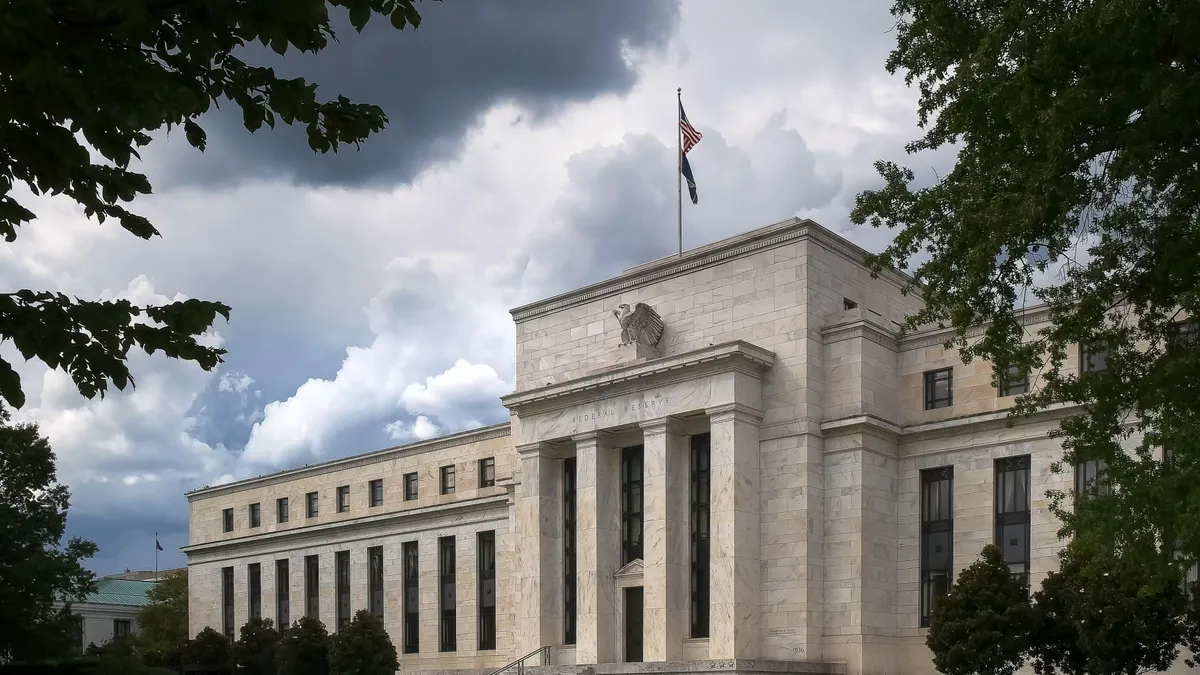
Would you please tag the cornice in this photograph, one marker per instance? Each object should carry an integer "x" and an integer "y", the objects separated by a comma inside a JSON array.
[
  {"x": 426, "y": 516},
  {"x": 931, "y": 337},
  {"x": 869, "y": 424},
  {"x": 737, "y": 412},
  {"x": 985, "y": 421},
  {"x": 737, "y": 355},
  {"x": 771, "y": 236},
  {"x": 856, "y": 324},
  {"x": 356, "y": 461}
]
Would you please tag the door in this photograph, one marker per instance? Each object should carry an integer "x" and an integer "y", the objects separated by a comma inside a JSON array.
[{"x": 633, "y": 624}]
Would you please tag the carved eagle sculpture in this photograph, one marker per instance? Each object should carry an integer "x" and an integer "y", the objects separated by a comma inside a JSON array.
[{"x": 640, "y": 324}]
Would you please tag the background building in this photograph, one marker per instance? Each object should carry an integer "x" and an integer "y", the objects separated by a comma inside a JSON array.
[
  {"x": 112, "y": 609},
  {"x": 727, "y": 456}
]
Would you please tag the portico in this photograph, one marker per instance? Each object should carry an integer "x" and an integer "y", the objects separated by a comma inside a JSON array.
[{"x": 643, "y": 480}]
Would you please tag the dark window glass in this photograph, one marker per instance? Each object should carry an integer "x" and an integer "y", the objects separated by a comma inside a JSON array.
[
  {"x": 938, "y": 389},
  {"x": 281, "y": 510},
  {"x": 121, "y": 628},
  {"x": 255, "y": 515},
  {"x": 410, "y": 486},
  {"x": 447, "y": 600},
  {"x": 937, "y": 536},
  {"x": 77, "y": 635},
  {"x": 486, "y": 553},
  {"x": 412, "y": 601},
  {"x": 1012, "y": 513},
  {"x": 343, "y": 499},
  {"x": 310, "y": 504},
  {"x": 847, "y": 303},
  {"x": 1184, "y": 334},
  {"x": 1016, "y": 382},
  {"x": 375, "y": 580},
  {"x": 570, "y": 592},
  {"x": 227, "y": 626},
  {"x": 631, "y": 504},
  {"x": 342, "y": 563},
  {"x": 1089, "y": 478},
  {"x": 312, "y": 587},
  {"x": 487, "y": 472},
  {"x": 227, "y": 519},
  {"x": 1093, "y": 359},
  {"x": 283, "y": 593},
  {"x": 254, "y": 575},
  {"x": 700, "y": 511},
  {"x": 376, "y": 492},
  {"x": 447, "y": 474}
]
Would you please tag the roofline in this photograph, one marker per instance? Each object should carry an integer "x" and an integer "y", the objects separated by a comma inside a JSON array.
[
  {"x": 438, "y": 443},
  {"x": 764, "y": 238}
]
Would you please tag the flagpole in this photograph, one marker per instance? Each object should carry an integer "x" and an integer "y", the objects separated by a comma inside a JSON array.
[
  {"x": 156, "y": 556},
  {"x": 679, "y": 162}
]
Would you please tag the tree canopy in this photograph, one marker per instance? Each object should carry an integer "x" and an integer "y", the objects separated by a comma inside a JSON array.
[
  {"x": 362, "y": 648},
  {"x": 39, "y": 576},
  {"x": 163, "y": 624},
  {"x": 84, "y": 85},
  {"x": 1077, "y": 185}
]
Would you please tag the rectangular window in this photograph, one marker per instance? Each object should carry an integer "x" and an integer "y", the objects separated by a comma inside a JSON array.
[
  {"x": 227, "y": 626},
  {"x": 410, "y": 486},
  {"x": 375, "y": 581},
  {"x": 1012, "y": 513},
  {"x": 121, "y": 628},
  {"x": 447, "y": 600},
  {"x": 283, "y": 593},
  {"x": 254, "y": 575},
  {"x": 1089, "y": 478},
  {"x": 1184, "y": 334},
  {"x": 375, "y": 489},
  {"x": 487, "y": 472},
  {"x": 412, "y": 602},
  {"x": 701, "y": 479},
  {"x": 312, "y": 587},
  {"x": 227, "y": 519},
  {"x": 1016, "y": 382},
  {"x": 343, "y": 499},
  {"x": 938, "y": 388},
  {"x": 937, "y": 536},
  {"x": 310, "y": 505},
  {"x": 570, "y": 593},
  {"x": 486, "y": 553},
  {"x": 255, "y": 515},
  {"x": 1092, "y": 359},
  {"x": 281, "y": 510},
  {"x": 447, "y": 479},
  {"x": 342, "y": 563},
  {"x": 631, "y": 504}
]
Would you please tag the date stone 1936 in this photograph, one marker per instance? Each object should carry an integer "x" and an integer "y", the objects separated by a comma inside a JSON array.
[{"x": 640, "y": 325}]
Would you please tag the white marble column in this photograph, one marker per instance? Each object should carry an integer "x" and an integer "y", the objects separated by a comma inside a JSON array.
[
  {"x": 597, "y": 467},
  {"x": 734, "y": 574},
  {"x": 539, "y": 516},
  {"x": 665, "y": 575}
]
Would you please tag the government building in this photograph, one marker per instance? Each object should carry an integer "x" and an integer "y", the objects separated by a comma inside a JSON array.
[{"x": 725, "y": 461}]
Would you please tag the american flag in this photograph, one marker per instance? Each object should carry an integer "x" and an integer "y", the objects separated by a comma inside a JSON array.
[{"x": 690, "y": 136}]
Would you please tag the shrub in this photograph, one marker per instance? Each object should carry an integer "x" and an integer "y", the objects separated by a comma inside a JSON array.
[
  {"x": 254, "y": 652},
  {"x": 363, "y": 648},
  {"x": 304, "y": 649},
  {"x": 210, "y": 650}
]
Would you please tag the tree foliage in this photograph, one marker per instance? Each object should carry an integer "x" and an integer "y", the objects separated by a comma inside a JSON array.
[
  {"x": 363, "y": 648},
  {"x": 1077, "y": 185},
  {"x": 209, "y": 649},
  {"x": 83, "y": 87},
  {"x": 254, "y": 651},
  {"x": 163, "y": 623},
  {"x": 304, "y": 649},
  {"x": 1092, "y": 616},
  {"x": 36, "y": 570}
]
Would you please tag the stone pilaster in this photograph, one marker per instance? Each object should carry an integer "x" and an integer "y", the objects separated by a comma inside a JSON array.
[
  {"x": 734, "y": 631},
  {"x": 539, "y": 515},
  {"x": 597, "y": 467},
  {"x": 665, "y": 575}
]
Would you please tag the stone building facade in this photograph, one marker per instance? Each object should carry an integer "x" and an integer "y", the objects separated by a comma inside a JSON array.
[{"x": 726, "y": 460}]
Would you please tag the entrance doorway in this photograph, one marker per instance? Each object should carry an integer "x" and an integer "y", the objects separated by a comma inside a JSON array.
[{"x": 633, "y": 624}]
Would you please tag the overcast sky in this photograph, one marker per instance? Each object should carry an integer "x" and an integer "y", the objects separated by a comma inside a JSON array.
[{"x": 529, "y": 152}]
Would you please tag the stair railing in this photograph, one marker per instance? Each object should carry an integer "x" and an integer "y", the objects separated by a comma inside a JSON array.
[{"x": 519, "y": 664}]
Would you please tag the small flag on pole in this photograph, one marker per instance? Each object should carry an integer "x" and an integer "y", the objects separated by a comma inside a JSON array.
[
  {"x": 157, "y": 546},
  {"x": 690, "y": 138}
]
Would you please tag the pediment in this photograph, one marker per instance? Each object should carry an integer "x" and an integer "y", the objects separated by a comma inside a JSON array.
[{"x": 631, "y": 573}]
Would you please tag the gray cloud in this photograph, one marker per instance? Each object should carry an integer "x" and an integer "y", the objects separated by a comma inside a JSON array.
[{"x": 435, "y": 82}]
